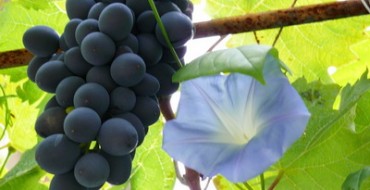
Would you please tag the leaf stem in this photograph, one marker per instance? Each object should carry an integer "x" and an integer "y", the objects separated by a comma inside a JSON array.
[
  {"x": 262, "y": 179},
  {"x": 7, "y": 112},
  {"x": 164, "y": 32},
  {"x": 249, "y": 187},
  {"x": 277, "y": 180},
  {"x": 10, "y": 152}
]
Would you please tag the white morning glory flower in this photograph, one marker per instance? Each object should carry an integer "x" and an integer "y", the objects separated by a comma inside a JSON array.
[{"x": 233, "y": 125}]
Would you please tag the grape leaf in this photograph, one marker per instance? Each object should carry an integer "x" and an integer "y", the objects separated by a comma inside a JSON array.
[
  {"x": 18, "y": 16},
  {"x": 308, "y": 50},
  {"x": 330, "y": 149},
  {"x": 153, "y": 167},
  {"x": 354, "y": 180},
  {"x": 25, "y": 174},
  {"x": 249, "y": 60}
]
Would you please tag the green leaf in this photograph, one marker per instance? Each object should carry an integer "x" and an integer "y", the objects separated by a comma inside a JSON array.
[
  {"x": 354, "y": 180},
  {"x": 25, "y": 174},
  {"x": 249, "y": 60},
  {"x": 22, "y": 116},
  {"x": 309, "y": 50},
  {"x": 18, "y": 16},
  {"x": 153, "y": 167},
  {"x": 329, "y": 149}
]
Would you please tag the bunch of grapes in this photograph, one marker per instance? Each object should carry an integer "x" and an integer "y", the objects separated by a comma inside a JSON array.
[{"x": 106, "y": 72}]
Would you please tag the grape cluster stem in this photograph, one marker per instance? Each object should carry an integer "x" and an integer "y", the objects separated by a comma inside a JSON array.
[{"x": 245, "y": 23}]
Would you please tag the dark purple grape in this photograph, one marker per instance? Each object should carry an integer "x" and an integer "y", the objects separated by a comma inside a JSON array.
[
  {"x": 98, "y": 48},
  {"x": 50, "y": 122},
  {"x": 117, "y": 29},
  {"x": 117, "y": 137},
  {"x": 57, "y": 154},
  {"x": 82, "y": 125},
  {"x": 128, "y": 69},
  {"x": 84, "y": 28},
  {"x": 50, "y": 74},
  {"x": 75, "y": 62},
  {"x": 92, "y": 95},
  {"x": 92, "y": 170},
  {"x": 78, "y": 9},
  {"x": 40, "y": 40},
  {"x": 178, "y": 27}
]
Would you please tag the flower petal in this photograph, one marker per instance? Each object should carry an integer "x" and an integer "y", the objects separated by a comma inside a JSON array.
[{"x": 235, "y": 126}]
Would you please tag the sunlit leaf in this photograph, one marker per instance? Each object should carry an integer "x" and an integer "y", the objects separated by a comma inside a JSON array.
[{"x": 153, "y": 167}]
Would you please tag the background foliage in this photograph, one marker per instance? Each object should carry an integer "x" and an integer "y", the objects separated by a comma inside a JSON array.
[{"x": 337, "y": 140}]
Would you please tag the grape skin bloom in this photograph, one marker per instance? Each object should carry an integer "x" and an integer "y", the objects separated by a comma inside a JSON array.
[{"x": 233, "y": 125}]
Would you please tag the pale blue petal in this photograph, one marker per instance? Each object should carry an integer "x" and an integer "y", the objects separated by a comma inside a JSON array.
[{"x": 217, "y": 113}]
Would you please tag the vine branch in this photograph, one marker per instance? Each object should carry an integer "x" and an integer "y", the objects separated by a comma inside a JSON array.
[
  {"x": 280, "y": 18},
  {"x": 244, "y": 23}
]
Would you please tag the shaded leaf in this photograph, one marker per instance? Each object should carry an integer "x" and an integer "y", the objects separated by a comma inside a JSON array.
[
  {"x": 25, "y": 174},
  {"x": 249, "y": 60},
  {"x": 354, "y": 180}
]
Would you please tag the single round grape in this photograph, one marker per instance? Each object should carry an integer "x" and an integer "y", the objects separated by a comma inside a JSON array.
[
  {"x": 101, "y": 75},
  {"x": 168, "y": 57},
  {"x": 70, "y": 32},
  {"x": 128, "y": 69},
  {"x": 50, "y": 122},
  {"x": 123, "y": 99},
  {"x": 164, "y": 7},
  {"x": 182, "y": 4},
  {"x": 41, "y": 40},
  {"x": 98, "y": 48},
  {"x": 34, "y": 66},
  {"x": 92, "y": 95},
  {"x": 148, "y": 86},
  {"x": 163, "y": 73},
  {"x": 75, "y": 62},
  {"x": 84, "y": 28},
  {"x": 65, "y": 181},
  {"x": 62, "y": 43},
  {"x": 50, "y": 74},
  {"x": 78, "y": 9},
  {"x": 117, "y": 29},
  {"x": 91, "y": 170},
  {"x": 149, "y": 48},
  {"x": 114, "y": 1},
  {"x": 147, "y": 110},
  {"x": 135, "y": 121},
  {"x": 120, "y": 168},
  {"x": 82, "y": 125},
  {"x": 130, "y": 41},
  {"x": 52, "y": 102},
  {"x": 117, "y": 137},
  {"x": 178, "y": 27},
  {"x": 146, "y": 22},
  {"x": 95, "y": 10},
  {"x": 57, "y": 154},
  {"x": 66, "y": 90},
  {"x": 138, "y": 6}
]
